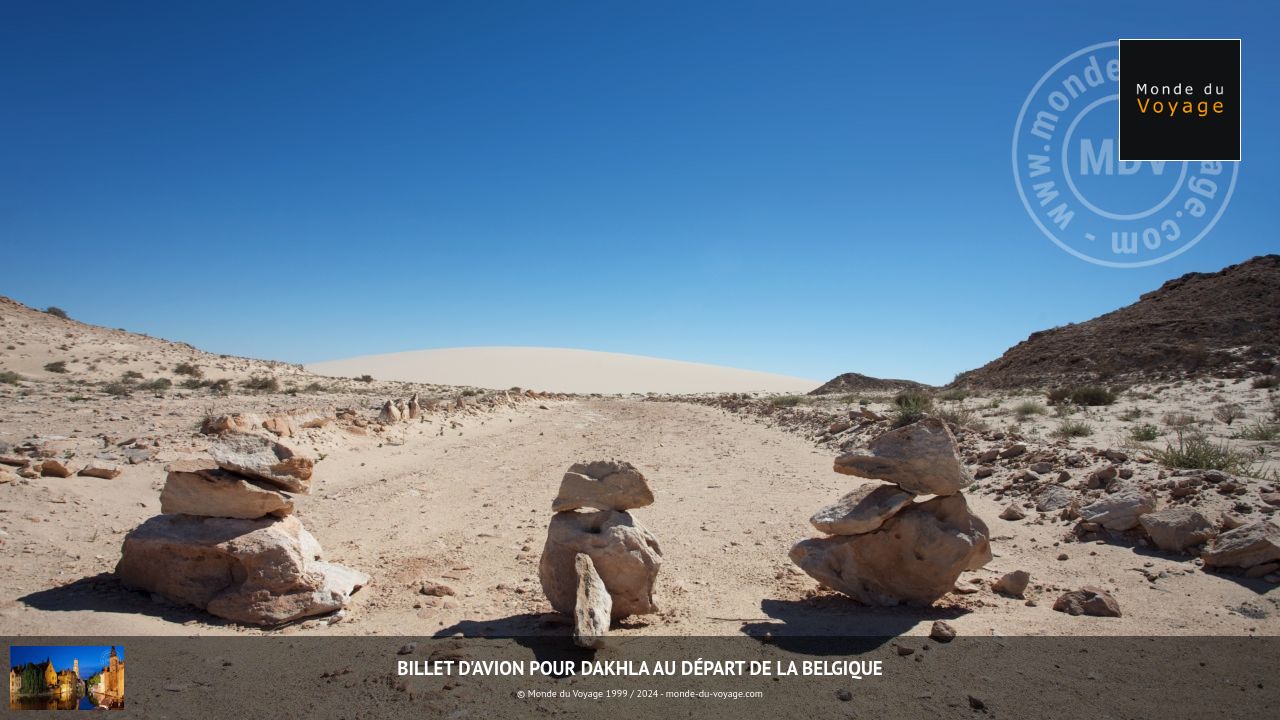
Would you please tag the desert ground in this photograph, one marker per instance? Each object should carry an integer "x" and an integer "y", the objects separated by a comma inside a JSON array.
[{"x": 461, "y": 497}]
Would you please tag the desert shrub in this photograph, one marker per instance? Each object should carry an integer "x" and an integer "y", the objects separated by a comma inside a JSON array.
[
  {"x": 9, "y": 377},
  {"x": 1195, "y": 451},
  {"x": 188, "y": 369},
  {"x": 954, "y": 394},
  {"x": 1179, "y": 420},
  {"x": 315, "y": 387},
  {"x": 1131, "y": 414},
  {"x": 911, "y": 406},
  {"x": 1260, "y": 430},
  {"x": 1058, "y": 396},
  {"x": 961, "y": 416},
  {"x": 116, "y": 388},
  {"x": 469, "y": 392},
  {"x": 1027, "y": 408},
  {"x": 1073, "y": 429},
  {"x": 261, "y": 383},
  {"x": 157, "y": 385},
  {"x": 1145, "y": 432},
  {"x": 994, "y": 404},
  {"x": 221, "y": 386},
  {"x": 131, "y": 375},
  {"x": 1092, "y": 395},
  {"x": 786, "y": 400},
  {"x": 365, "y": 378},
  {"x": 58, "y": 366},
  {"x": 1228, "y": 413},
  {"x": 1265, "y": 382},
  {"x": 57, "y": 312}
]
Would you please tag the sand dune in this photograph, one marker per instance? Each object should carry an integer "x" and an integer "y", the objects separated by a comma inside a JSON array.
[{"x": 559, "y": 370}]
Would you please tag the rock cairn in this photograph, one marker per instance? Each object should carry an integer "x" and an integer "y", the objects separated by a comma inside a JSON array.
[
  {"x": 399, "y": 410},
  {"x": 599, "y": 563},
  {"x": 885, "y": 546},
  {"x": 228, "y": 542}
]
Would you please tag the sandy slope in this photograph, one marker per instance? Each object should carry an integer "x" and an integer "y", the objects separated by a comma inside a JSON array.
[
  {"x": 559, "y": 370},
  {"x": 470, "y": 507}
]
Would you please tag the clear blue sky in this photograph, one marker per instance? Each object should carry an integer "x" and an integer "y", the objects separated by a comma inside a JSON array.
[
  {"x": 802, "y": 188},
  {"x": 92, "y": 657}
]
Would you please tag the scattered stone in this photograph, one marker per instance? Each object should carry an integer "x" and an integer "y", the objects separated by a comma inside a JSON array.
[
  {"x": 260, "y": 457},
  {"x": 603, "y": 485},
  {"x": 1052, "y": 497},
  {"x": 593, "y": 606},
  {"x": 1013, "y": 512},
  {"x": 1177, "y": 528},
  {"x": 919, "y": 458},
  {"x": 100, "y": 469},
  {"x": 1088, "y": 600},
  {"x": 53, "y": 467},
  {"x": 1244, "y": 547},
  {"x": 200, "y": 487},
  {"x": 278, "y": 425},
  {"x": 435, "y": 589},
  {"x": 1120, "y": 510},
  {"x": 942, "y": 631},
  {"x": 861, "y": 511},
  {"x": 1013, "y": 583},
  {"x": 1013, "y": 451}
]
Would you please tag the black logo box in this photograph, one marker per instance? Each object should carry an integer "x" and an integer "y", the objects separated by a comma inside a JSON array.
[{"x": 1187, "y": 68}]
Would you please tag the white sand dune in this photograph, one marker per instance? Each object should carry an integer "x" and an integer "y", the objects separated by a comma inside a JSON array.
[{"x": 559, "y": 370}]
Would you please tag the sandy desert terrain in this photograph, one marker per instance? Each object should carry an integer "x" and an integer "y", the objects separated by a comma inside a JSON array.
[{"x": 461, "y": 497}]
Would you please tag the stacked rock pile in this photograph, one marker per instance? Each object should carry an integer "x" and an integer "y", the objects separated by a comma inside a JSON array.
[
  {"x": 885, "y": 545},
  {"x": 228, "y": 543},
  {"x": 599, "y": 563}
]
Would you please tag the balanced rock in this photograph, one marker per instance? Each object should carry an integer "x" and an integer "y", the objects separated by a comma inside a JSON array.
[
  {"x": 1256, "y": 543},
  {"x": 1176, "y": 529},
  {"x": 259, "y": 572},
  {"x": 100, "y": 469},
  {"x": 200, "y": 487},
  {"x": 625, "y": 555},
  {"x": 1120, "y": 510},
  {"x": 603, "y": 485},
  {"x": 1088, "y": 601},
  {"x": 261, "y": 457},
  {"x": 915, "y": 557},
  {"x": 919, "y": 458},
  {"x": 862, "y": 510},
  {"x": 593, "y": 606}
]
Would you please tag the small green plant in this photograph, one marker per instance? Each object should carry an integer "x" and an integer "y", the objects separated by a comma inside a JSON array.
[
  {"x": 57, "y": 312},
  {"x": 1058, "y": 396},
  {"x": 1195, "y": 451},
  {"x": 786, "y": 401},
  {"x": 118, "y": 389},
  {"x": 954, "y": 394},
  {"x": 9, "y": 377},
  {"x": 1260, "y": 430},
  {"x": 911, "y": 406},
  {"x": 188, "y": 370},
  {"x": 1131, "y": 414},
  {"x": 131, "y": 375},
  {"x": 261, "y": 383},
  {"x": 1092, "y": 395},
  {"x": 1073, "y": 429},
  {"x": 158, "y": 385},
  {"x": 1265, "y": 382},
  {"x": 1145, "y": 432},
  {"x": 57, "y": 366},
  {"x": 1027, "y": 408},
  {"x": 1178, "y": 420},
  {"x": 963, "y": 417}
]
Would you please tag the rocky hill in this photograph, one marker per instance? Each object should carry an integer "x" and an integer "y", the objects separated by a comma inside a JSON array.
[
  {"x": 857, "y": 382},
  {"x": 1223, "y": 324}
]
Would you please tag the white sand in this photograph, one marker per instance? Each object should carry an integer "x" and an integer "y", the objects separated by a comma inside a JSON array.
[{"x": 559, "y": 370}]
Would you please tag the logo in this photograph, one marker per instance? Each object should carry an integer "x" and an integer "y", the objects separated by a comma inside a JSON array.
[{"x": 1107, "y": 211}]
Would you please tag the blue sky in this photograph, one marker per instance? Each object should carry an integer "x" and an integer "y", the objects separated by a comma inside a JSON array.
[
  {"x": 92, "y": 657},
  {"x": 802, "y": 188}
]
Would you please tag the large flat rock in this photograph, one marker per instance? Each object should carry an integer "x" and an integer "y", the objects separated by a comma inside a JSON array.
[{"x": 920, "y": 458}]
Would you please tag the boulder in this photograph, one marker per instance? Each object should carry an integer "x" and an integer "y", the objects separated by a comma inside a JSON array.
[
  {"x": 593, "y": 607},
  {"x": 915, "y": 557},
  {"x": 862, "y": 510},
  {"x": 261, "y": 457},
  {"x": 101, "y": 469},
  {"x": 625, "y": 555},
  {"x": 1119, "y": 511},
  {"x": 1012, "y": 512},
  {"x": 1255, "y": 543},
  {"x": 1088, "y": 601},
  {"x": 390, "y": 413},
  {"x": 257, "y": 572},
  {"x": 239, "y": 422},
  {"x": 415, "y": 407},
  {"x": 919, "y": 458},
  {"x": 278, "y": 425},
  {"x": 200, "y": 487},
  {"x": 1177, "y": 528},
  {"x": 603, "y": 485}
]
